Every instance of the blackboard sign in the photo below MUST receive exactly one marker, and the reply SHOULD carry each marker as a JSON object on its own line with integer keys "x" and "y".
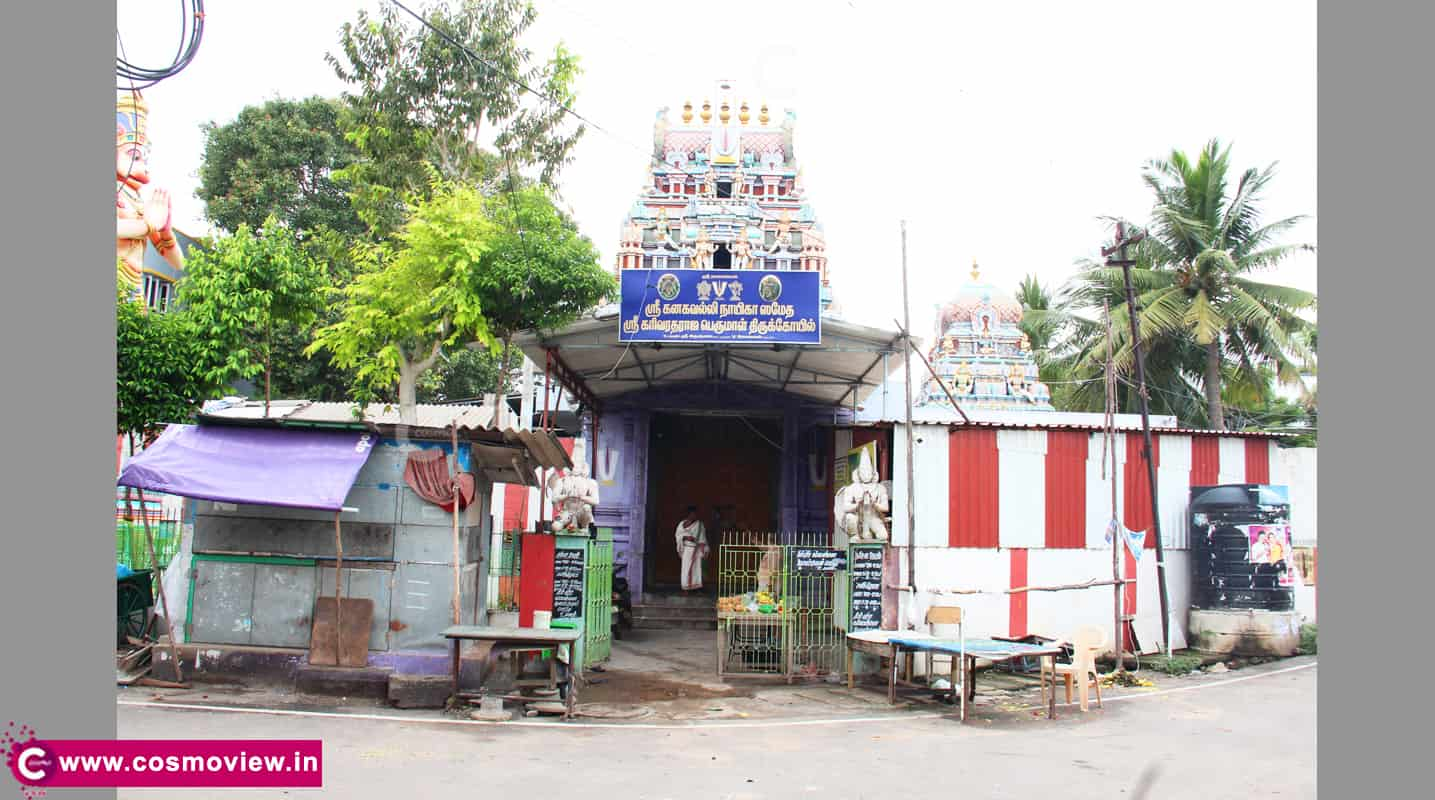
{"x": 568, "y": 583}
{"x": 819, "y": 559}
{"x": 866, "y": 586}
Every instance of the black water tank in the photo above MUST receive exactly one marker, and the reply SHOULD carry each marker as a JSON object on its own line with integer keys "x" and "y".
{"x": 1223, "y": 576}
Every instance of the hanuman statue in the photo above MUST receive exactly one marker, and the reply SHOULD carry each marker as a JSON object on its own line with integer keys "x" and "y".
{"x": 138, "y": 218}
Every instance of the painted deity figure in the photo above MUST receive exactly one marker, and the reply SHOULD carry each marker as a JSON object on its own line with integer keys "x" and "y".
{"x": 861, "y": 504}
{"x": 962, "y": 379}
{"x": 138, "y": 219}
{"x": 739, "y": 183}
{"x": 703, "y": 258}
{"x": 741, "y": 250}
{"x": 575, "y": 494}
{"x": 709, "y": 188}
{"x": 784, "y": 232}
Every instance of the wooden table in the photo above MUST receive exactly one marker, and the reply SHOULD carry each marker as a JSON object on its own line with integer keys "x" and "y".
{"x": 971, "y": 649}
{"x": 874, "y": 643}
{"x": 508, "y": 640}
{"x": 775, "y": 621}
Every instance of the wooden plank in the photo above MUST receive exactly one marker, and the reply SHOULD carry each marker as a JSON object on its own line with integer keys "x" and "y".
{"x": 352, "y": 648}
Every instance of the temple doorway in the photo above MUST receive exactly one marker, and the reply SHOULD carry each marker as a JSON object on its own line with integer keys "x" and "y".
{"x": 727, "y": 466}
{"x": 722, "y": 257}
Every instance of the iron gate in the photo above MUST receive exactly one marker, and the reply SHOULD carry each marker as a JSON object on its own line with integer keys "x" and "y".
{"x": 773, "y": 618}
{"x": 598, "y": 600}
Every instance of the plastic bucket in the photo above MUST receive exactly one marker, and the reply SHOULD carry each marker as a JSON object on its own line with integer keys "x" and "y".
{"x": 542, "y": 619}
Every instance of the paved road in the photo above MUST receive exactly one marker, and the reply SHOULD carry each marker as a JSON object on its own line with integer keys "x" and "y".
{"x": 1241, "y": 736}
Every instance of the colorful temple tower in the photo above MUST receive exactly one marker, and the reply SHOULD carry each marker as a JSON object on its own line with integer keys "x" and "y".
{"x": 723, "y": 191}
{"x": 982, "y": 354}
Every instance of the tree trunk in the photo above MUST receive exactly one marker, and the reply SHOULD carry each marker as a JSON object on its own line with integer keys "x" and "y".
{"x": 409, "y": 372}
{"x": 1213, "y": 385}
{"x": 408, "y": 404}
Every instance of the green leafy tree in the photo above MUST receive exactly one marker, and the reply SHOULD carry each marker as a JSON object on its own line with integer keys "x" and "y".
{"x": 413, "y": 297}
{"x": 242, "y": 291}
{"x": 539, "y": 272}
{"x": 279, "y": 159}
{"x": 160, "y": 371}
{"x": 420, "y": 101}
{"x": 1203, "y": 321}
{"x": 464, "y": 374}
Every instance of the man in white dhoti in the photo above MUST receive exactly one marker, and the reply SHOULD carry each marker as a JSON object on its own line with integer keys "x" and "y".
{"x": 692, "y": 541}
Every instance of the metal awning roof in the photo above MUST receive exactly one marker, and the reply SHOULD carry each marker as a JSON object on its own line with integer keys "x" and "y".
{"x": 504, "y": 454}
{"x": 851, "y": 363}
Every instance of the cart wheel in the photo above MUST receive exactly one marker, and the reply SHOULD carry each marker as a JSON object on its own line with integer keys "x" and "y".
{"x": 133, "y": 611}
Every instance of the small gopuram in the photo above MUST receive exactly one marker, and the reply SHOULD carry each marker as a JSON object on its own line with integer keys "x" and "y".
{"x": 982, "y": 355}
{"x": 723, "y": 191}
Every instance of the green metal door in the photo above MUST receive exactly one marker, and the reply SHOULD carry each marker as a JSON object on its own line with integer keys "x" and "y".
{"x": 598, "y": 600}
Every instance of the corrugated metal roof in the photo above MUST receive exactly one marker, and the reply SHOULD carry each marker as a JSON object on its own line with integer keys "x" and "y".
{"x": 539, "y": 448}
{"x": 1097, "y": 428}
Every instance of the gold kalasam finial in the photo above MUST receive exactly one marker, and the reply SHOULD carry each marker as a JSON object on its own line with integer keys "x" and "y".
{"x": 725, "y": 113}
{"x": 687, "y": 112}
{"x": 742, "y": 113}
{"x": 762, "y": 115}
{"x": 975, "y": 271}
{"x": 707, "y": 112}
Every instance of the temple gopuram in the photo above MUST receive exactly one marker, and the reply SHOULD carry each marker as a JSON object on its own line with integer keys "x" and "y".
{"x": 723, "y": 191}
{"x": 981, "y": 353}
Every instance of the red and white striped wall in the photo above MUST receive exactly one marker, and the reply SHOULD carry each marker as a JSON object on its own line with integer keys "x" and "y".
{"x": 1002, "y": 508}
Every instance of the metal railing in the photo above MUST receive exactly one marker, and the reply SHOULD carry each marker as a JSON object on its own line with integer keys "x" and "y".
{"x": 130, "y": 547}
{"x": 503, "y": 571}
{"x": 772, "y": 618}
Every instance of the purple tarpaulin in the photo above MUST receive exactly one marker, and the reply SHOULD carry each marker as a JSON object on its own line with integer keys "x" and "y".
{"x": 260, "y": 466}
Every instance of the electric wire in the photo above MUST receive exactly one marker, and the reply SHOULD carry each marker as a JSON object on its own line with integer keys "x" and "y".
{"x": 191, "y": 33}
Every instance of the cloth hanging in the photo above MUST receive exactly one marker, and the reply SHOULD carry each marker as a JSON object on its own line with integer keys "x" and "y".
{"x": 426, "y": 472}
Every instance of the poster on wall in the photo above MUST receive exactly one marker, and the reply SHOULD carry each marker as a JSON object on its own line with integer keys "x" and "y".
{"x": 1270, "y": 545}
{"x": 1305, "y": 564}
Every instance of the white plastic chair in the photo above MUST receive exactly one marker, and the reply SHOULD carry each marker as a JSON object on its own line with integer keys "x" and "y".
{"x": 1086, "y": 642}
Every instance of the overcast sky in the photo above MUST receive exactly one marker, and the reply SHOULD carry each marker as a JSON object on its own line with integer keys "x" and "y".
{"x": 998, "y": 131}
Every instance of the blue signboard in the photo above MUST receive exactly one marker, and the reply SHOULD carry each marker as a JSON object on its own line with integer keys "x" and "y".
{"x": 704, "y": 305}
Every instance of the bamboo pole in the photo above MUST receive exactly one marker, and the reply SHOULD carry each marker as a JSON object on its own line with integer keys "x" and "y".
{"x": 154, "y": 563}
{"x": 338, "y": 595}
{"x": 457, "y": 495}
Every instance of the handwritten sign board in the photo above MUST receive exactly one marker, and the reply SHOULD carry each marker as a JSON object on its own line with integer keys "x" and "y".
{"x": 865, "y": 573}
{"x": 568, "y": 583}
{"x": 819, "y": 559}
{"x": 695, "y": 305}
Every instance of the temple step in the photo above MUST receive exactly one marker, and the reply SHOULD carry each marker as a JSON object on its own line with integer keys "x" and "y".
{"x": 676, "y": 615}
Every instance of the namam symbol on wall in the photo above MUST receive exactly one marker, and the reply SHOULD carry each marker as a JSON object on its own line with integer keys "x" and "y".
{"x": 608, "y": 463}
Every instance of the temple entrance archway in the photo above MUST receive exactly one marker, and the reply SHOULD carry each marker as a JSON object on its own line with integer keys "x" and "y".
{"x": 727, "y": 466}
{"x": 722, "y": 257}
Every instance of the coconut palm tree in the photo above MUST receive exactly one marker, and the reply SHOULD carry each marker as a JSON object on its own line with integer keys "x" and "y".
{"x": 1203, "y": 321}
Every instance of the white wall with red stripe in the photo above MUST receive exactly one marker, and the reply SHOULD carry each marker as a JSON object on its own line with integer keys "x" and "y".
{"x": 1001, "y": 508}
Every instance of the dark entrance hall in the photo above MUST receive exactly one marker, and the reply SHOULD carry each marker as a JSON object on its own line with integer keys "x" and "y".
{"x": 723, "y": 465}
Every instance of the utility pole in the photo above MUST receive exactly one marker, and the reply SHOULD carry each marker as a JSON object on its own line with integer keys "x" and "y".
{"x": 1119, "y": 250}
{"x": 1109, "y": 443}
{"x": 911, "y": 472}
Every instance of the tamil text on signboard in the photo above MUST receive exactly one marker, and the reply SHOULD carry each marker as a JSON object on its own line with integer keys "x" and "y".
{"x": 866, "y": 575}
{"x": 567, "y": 583}
{"x": 819, "y": 559}
{"x": 695, "y": 305}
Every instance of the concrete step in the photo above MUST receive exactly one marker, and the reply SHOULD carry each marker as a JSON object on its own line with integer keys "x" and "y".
{"x": 674, "y": 623}
{"x": 676, "y": 599}
{"x": 691, "y": 612}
